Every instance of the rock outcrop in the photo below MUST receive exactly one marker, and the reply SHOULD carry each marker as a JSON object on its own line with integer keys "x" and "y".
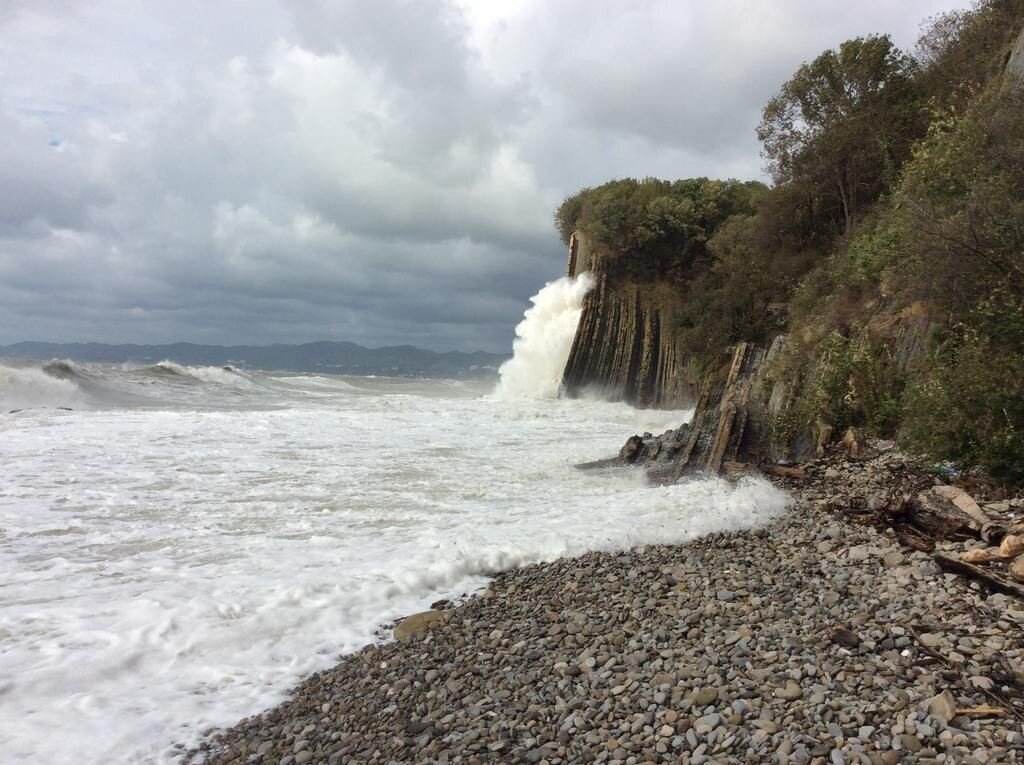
{"x": 625, "y": 346}
{"x": 731, "y": 425}
{"x": 746, "y": 412}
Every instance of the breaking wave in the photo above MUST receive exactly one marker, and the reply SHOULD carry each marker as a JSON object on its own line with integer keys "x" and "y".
{"x": 52, "y": 385}
{"x": 61, "y": 383}
{"x": 217, "y": 375}
{"x": 544, "y": 340}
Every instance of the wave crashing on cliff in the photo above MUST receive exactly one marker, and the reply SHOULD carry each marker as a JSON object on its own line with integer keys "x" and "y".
{"x": 543, "y": 340}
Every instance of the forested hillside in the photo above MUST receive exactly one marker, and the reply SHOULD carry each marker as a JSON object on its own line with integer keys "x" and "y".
{"x": 889, "y": 248}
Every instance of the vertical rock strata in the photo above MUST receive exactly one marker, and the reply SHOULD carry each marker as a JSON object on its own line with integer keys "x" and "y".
{"x": 625, "y": 345}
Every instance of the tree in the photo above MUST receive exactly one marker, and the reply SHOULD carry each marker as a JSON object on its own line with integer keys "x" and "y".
{"x": 842, "y": 126}
{"x": 960, "y": 51}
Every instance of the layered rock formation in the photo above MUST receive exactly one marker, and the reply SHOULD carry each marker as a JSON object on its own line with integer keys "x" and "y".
{"x": 625, "y": 346}
{"x": 731, "y": 425}
{"x": 738, "y": 419}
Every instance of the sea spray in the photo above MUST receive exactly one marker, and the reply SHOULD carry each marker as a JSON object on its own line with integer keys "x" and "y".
{"x": 543, "y": 340}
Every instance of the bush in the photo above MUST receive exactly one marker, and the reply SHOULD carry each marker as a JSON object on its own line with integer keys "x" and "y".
{"x": 967, "y": 406}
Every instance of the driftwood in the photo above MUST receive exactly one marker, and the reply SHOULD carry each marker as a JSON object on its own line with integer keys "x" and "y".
{"x": 994, "y": 581}
{"x": 947, "y": 512}
{"x": 987, "y": 529}
{"x": 983, "y": 711}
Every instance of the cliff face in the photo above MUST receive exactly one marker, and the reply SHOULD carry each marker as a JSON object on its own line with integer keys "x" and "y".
{"x": 625, "y": 347}
{"x": 731, "y": 424}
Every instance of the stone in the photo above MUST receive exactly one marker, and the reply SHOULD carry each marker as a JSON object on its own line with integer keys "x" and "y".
{"x": 845, "y": 637}
{"x": 417, "y": 624}
{"x": 983, "y": 683}
{"x": 909, "y": 743}
{"x": 942, "y": 706}
{"x": 791, "y": 691}
{"x": 858, "y": 554}
{"x": 892, "y": 559}
{"x": 705, "y": 696}
{"x": 930, "y": 640}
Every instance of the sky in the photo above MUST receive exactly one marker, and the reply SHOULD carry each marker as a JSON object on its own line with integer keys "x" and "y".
{"x": 378, "y": 171}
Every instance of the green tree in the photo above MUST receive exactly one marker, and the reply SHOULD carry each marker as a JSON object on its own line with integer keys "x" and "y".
{"x": 842, "y": 126}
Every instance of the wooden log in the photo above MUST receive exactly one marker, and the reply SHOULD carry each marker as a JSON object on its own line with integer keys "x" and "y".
{"x": 938, "y": 517}
{"x": 994, "y": 581}
{"x": 987, "y": 529}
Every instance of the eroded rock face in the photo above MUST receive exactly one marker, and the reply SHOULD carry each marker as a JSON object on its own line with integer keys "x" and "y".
{"x": 625, "y": 346}
{"x": 731, "y": 422}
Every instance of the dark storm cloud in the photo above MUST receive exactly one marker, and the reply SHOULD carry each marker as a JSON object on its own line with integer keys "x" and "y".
{"x": 383, "y": 172}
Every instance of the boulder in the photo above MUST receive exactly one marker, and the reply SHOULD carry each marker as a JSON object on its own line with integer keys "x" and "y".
{"x": 417, "y": 624}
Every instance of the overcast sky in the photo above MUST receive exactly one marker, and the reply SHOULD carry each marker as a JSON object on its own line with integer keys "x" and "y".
{"x": 380, "y": 171}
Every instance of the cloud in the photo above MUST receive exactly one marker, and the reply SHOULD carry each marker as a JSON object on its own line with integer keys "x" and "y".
{"x": 275, "y": 171}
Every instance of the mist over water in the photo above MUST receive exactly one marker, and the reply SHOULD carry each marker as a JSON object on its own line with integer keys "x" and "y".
{"x": 186, "y": 543}
{"x": 543, "y": 340}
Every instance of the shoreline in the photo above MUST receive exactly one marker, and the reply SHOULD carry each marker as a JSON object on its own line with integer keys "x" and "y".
{"x": 815, "y": 638}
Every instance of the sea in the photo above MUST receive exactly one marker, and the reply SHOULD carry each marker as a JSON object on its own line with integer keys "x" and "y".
{"x": 180, "y": 545}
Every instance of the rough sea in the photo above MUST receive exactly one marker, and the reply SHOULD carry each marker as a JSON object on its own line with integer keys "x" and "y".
{"x": 180, "y": 545}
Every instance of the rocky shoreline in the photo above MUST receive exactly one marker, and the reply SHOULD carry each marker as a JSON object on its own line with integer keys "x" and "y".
{"x": 820, "y": 637}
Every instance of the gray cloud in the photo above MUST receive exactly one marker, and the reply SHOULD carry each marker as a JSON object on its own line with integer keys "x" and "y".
{"x": 385, "y": 172}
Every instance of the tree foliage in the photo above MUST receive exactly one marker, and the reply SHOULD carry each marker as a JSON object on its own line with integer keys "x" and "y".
{"x": 840, "y": 128}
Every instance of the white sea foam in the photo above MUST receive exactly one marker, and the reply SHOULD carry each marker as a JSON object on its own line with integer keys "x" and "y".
{"x": 168, "y": 570}
{"x": 543, "y": 340}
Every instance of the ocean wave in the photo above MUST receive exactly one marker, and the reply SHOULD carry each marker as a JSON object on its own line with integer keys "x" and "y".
{"x": 217, "y": 375}
{"x": 63, "y": 369}
{"x": 52, "y": 385}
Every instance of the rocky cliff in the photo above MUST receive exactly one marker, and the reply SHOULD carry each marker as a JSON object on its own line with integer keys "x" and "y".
{"x": 750, "y": 413}
{"x": 625, "y": 346}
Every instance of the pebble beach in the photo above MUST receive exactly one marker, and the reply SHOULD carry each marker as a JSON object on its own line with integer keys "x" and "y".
{"x": 816, "y": 638}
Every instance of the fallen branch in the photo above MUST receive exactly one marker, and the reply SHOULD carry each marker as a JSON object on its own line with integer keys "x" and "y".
{"x": 984, "y": 710}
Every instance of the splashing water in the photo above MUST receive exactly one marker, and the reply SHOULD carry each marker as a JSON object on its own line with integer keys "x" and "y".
{"x": 543, "y": 340}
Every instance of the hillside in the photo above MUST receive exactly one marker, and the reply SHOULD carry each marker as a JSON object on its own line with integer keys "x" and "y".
{"x": 884, "y": 266}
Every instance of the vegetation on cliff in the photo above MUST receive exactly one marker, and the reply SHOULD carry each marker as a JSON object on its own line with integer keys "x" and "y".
{"x": 890, "y": 247}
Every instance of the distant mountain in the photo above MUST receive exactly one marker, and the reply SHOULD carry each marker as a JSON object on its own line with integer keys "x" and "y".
{"x": 330, "y": 357}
